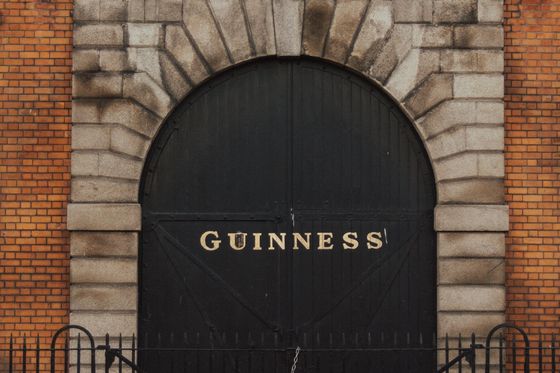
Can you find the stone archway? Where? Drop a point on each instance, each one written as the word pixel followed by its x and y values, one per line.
pixel 133 61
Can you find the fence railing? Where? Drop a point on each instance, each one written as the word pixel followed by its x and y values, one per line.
pixel 506 348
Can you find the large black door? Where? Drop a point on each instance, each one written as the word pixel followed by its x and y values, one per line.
pixel 270 156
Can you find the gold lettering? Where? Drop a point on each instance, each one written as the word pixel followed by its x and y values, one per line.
pixel 279 240
pixel 305 242
pixel 324 240
pixel 350 240
pixel 215 243
pixel 257 237
pixel 374 240
pixel 237 241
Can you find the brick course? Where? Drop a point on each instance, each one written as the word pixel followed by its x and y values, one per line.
pixel 35 103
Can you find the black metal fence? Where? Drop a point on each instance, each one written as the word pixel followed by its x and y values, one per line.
pixel 73 348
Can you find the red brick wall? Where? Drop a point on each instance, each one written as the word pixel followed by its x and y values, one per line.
pixel 532 52
pixel 35 102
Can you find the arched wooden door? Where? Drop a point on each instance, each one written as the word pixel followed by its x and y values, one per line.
pixel 265 157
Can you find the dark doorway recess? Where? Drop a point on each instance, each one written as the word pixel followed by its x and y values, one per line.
pixel 283 146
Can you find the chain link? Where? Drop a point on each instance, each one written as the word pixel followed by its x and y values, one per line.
pixel 296 356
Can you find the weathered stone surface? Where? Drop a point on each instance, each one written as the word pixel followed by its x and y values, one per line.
pixel 103 270
pixel 459 166
pixel 414 68
pixel 144 34
pixel 472 61
pixel 377 23
pixel 261 26
pixel 85 111
pixel 103 217
pixel 455 11
pixel 145 60
pixel 96 85
pixel 131 115
pixel 100 324
pixel 124 140
pixel 464 138
pixel 288 21
pixel 104 244
pixel 471 191
pixel 173 80
pixel 413 10
pixel 471 298
pixel 198 19
pixel 346 19
pixel 136 10
pixel 229 15
pixel 98 35
pixel 113 60
pixel 116 165
pixel 429 36
pixel 479 36
pixel 436 89
pixel 491 165
pixel 463 218
pixel 91 137
pixel 479 86
pixel 484 138
pixel 97 189
pixel 471 271
pixel 391 53
pixel 490 11
pixel 490 112
pixel 179 46
pixel 150 10
pixel 113 10
pixel 480 323
pixel 169 10
pixel 86 10
pixel 103 298
pixel 476 244
pixel 84 163
pixel 85 60
pixel 318 15
pixel 144 90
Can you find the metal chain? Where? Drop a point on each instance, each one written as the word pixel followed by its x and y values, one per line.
pixel 295 359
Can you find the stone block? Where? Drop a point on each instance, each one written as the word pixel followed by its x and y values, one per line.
pixel 392 52
pixel 479 86
pixel 261 24
pixel 113 10
pixel 103 298
pixel 97 189
pixel 476 244
pixel 478 36
pixel 463 165
pixel 429 36
pixel 413 69
pixel 346 19
pixel 96 85
pixel 472 61
pixel 119 166
pixel 98 324
pixel 135 10
pixel 85 111
pixel 490 112
pixel 466 218
pixel 113 60
pixel 91 137
pixel 465 323
pixel 447 143
pixel 126 141
pixel 288 21
pixel 131 115
pixel 455 11
pixel 490 11
pixel 169 10
pixel 173 78
pixel 415 11
pixel 471 191
pixel 229 15
pixel 97 244
pixel 84 163
pixel 436 89
pixel 318 15
pixel 148 93
pixel 145 60
pixel 377 23
pixel 98 35
pixel 448 115
pixel 491 165
pixel 86 10
pixel 180 47
pixel 85 60
pixel 103 217
pixel 484 138
pixel 471 298
pixel 144 34
pixel 471 271
pixel 198 19
pixel 103 270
